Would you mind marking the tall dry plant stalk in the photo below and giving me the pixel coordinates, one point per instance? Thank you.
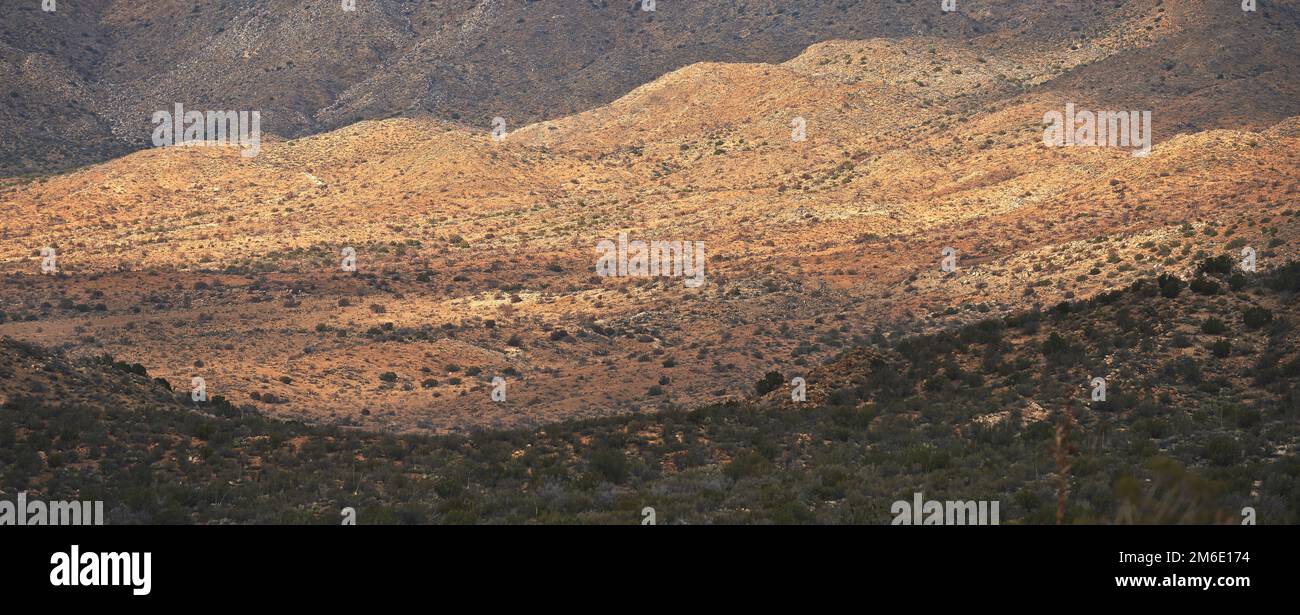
(1062, 450)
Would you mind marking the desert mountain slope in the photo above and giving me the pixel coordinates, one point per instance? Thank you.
(1192, 436)
(476, 257)
(83, 81)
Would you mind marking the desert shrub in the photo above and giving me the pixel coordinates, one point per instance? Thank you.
(1221, 450)
(1059, 349)
(609, 464)
(1286, 279)
(1219, 265)
(1248, 418)
(1204, 286)
(1169, 285)
(1255, 317)
(1184, 368)
(843, 396)
(768, 383)
(746, 464)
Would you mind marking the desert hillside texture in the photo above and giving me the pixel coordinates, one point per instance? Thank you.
(1199, 425)
(476, 255)
(309, 65)
(880, 206)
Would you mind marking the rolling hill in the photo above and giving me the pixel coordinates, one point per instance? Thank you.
(1193, 437)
